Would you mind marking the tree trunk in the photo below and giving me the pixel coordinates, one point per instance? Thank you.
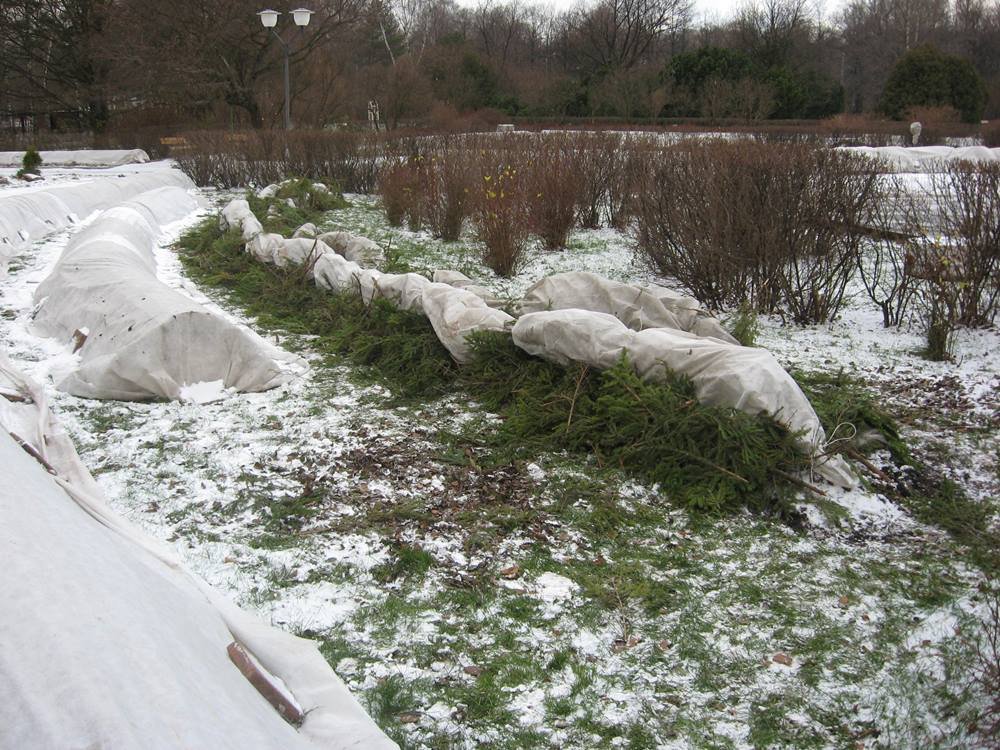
(245, 100)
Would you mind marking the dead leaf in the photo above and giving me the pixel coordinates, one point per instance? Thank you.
(782, 658)
(510, 573)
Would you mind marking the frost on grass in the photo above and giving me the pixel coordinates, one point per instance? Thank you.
(474, 602)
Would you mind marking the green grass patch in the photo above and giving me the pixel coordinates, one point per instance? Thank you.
(847, 410)
(388, 701)
(408, 561)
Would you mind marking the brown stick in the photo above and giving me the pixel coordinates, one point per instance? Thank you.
(576, 392)
(264, 686)
(856, 455)
(30, 450)
(800, 483)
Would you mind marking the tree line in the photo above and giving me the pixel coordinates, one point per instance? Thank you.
(92, 64)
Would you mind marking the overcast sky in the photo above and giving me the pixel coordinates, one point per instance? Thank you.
(721, 10)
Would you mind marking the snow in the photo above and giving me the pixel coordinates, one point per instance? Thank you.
(552, 587)
(204, 392)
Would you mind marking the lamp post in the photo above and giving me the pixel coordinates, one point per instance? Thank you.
(269, 19)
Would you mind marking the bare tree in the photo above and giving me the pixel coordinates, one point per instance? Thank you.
(770, 30)
(423, 22)
(618, 34)
(52, 57)
(208, 50)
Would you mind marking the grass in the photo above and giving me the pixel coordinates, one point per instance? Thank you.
(408, 561)
(307, 205)
(840, 401)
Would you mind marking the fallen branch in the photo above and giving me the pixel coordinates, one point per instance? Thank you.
(256, 677)
(799, 482)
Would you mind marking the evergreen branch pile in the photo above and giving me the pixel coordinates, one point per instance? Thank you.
(705, 457)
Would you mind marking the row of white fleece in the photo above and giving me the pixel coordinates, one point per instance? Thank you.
(27, 215)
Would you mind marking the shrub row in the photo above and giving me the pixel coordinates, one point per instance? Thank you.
(742, 225)
(784, 228)
(264, 157)
(768, 227)
(512, 186)
(748, 224)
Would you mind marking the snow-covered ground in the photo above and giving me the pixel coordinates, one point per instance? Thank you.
(546, 604)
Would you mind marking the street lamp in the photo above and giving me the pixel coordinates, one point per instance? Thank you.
(269, 19)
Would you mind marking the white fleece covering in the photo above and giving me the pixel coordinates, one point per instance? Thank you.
(108, 641)
(81, 158)
(455, 313)
(459, 280)
(360, 250)
(144, 340)
(27, 215)
(637, 307)
(723, 374)
(924, 158)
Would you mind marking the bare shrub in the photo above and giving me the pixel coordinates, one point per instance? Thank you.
(625, 179)
(772, 227)
(395, 186)
(596, 171)
(831, 201)
(413, 181)
(608, 166)
(955, 253)
(447, 184)
(883, 263)
(553, 179)
(502, 210)
(685, 228)
(968, 199)
(940, 319)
